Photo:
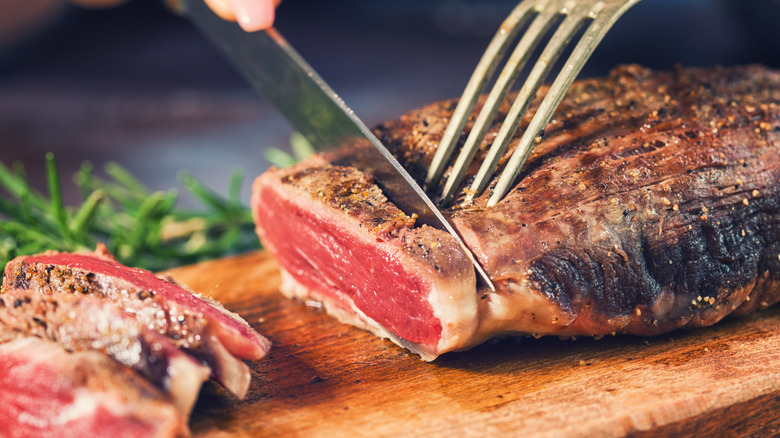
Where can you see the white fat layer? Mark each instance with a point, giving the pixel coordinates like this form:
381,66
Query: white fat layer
186,377
22,344
233,373
519,311
84,404
455,305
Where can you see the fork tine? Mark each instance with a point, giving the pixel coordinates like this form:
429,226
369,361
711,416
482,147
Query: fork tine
563,35
506,78
484,70
603,20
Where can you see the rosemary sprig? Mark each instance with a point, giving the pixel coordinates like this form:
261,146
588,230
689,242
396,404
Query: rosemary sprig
140,227
300,147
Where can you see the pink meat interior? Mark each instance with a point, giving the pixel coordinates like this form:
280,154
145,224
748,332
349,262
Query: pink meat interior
346,263
38,401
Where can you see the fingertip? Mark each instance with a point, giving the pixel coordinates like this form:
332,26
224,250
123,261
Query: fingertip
254,15
223,8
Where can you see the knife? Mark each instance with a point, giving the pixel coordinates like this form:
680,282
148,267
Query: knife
278,72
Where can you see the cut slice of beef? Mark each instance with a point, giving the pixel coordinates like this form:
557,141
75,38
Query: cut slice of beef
652,203
47,391
88,323
340,242
143,305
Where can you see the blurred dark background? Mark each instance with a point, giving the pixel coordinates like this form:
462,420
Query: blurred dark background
139,86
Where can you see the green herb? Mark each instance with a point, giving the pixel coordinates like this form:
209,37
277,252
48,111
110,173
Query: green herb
301,149
140,227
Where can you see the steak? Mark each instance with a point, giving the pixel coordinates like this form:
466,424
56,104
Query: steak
651,203
127,307
91,347
88,323
47,391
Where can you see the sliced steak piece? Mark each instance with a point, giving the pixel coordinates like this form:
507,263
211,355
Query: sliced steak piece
47,391
342,243
89,323
651,203
200,327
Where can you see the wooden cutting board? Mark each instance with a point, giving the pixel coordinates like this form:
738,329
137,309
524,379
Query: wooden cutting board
326,379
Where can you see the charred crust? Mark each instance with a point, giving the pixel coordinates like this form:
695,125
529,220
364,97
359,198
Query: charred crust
667,108
681,184
48,278
354,193
138,319
40,322
19,302
713,265
145,294
21,278
21,282
436,249
157,362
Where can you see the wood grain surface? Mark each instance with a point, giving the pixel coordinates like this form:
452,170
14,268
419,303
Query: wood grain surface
326,379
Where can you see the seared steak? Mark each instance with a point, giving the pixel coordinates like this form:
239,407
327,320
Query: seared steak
89,346
150,305
651,203
87,323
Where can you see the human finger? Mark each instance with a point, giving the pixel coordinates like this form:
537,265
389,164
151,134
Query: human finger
251,15
223,8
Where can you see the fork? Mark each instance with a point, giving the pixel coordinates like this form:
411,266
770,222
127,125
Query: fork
543,15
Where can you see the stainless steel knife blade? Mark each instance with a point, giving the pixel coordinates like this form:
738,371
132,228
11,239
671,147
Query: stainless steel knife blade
275,69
